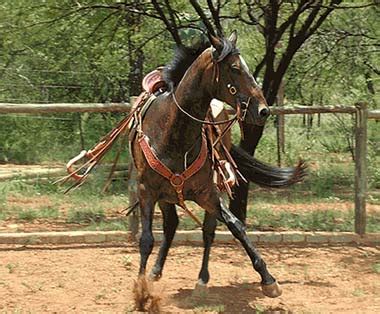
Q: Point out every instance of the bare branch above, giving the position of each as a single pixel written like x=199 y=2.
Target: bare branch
x=203 y=17
x=215 y=16
x=170 y=27
x=362 y=6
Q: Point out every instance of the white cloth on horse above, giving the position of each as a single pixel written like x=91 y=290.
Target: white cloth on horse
x=217 y=107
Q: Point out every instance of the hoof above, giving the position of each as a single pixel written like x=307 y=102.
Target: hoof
x=154 y=277
x=272 y=290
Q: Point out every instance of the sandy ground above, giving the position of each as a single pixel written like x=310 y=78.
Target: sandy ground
x=100 y=279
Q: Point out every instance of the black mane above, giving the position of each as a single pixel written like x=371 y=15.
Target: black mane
x=182 y=60
x=185 y=56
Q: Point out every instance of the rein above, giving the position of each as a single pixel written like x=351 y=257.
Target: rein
x=235 y=117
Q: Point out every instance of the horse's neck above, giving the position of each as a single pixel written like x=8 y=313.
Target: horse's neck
x=174 y=135
x=192 y=94
x=193 y=90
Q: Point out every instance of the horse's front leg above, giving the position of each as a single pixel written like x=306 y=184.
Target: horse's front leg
x=170 y=223
x=269 y=285
x=146 y=241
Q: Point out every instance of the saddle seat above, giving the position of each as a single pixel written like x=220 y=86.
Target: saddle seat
x=153 y=82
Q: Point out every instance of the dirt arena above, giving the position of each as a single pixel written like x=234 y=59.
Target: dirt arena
x=82 y=279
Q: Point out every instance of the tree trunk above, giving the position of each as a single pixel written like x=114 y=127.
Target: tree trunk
x=238 y=205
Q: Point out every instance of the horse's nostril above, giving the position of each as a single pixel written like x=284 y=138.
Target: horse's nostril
x=264 y=112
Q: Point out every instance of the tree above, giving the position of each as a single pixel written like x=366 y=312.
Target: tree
x=285 y=27
x=97 y=51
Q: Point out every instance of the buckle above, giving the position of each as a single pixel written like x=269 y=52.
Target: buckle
x=231 y=89
x=177 y=180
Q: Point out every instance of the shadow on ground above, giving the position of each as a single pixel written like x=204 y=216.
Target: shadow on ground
x=234 y=298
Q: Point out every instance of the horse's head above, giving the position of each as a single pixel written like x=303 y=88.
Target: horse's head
x=235 y=85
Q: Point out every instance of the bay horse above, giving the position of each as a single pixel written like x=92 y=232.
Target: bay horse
x=172 y=159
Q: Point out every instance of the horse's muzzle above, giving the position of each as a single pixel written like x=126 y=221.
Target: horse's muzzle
x=264 y=112
x=261 y=115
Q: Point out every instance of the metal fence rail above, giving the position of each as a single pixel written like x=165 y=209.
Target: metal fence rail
x=360 y=110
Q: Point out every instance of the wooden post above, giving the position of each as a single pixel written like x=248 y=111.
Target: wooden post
x=280 y=125
x=133 y=219
x=281 y=120
x=361 y=167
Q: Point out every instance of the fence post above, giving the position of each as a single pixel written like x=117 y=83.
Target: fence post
x=361 y=167
x=133 y=219
x=280 y=125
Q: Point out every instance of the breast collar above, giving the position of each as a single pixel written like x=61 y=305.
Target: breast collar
x=177 y=180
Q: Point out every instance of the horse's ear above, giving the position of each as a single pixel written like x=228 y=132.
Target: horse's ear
x=217 y=45
x=233 y=38
x=216 y=42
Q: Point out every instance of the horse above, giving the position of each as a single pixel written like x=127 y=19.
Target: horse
x=172 y=156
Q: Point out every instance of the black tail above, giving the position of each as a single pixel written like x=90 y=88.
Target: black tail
x=264 y=174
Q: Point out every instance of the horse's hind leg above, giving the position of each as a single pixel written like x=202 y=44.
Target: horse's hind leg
x=268 y=283
x=146 y=240
x=170 y=221
x=209 y=226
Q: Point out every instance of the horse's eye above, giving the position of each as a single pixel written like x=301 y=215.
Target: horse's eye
x=235 y=68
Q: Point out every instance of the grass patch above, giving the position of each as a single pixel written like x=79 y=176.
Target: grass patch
x=3 y=214
x=376 y=268
x=85 y=215
x=327 y=220
x=358 y=292
x=217 y=308
x=27 y=214
x=48 y=212
x=11 y=267
x=187 y=223
x=108 y=225
x=127 y=262
x=32 y=214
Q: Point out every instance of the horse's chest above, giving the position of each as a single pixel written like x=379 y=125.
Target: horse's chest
x=199 y=183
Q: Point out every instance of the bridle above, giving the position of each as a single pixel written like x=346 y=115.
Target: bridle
x=241 y=111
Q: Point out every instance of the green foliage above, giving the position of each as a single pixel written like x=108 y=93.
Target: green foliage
x=65 y=51
x=373 y=159
x=338 y=64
